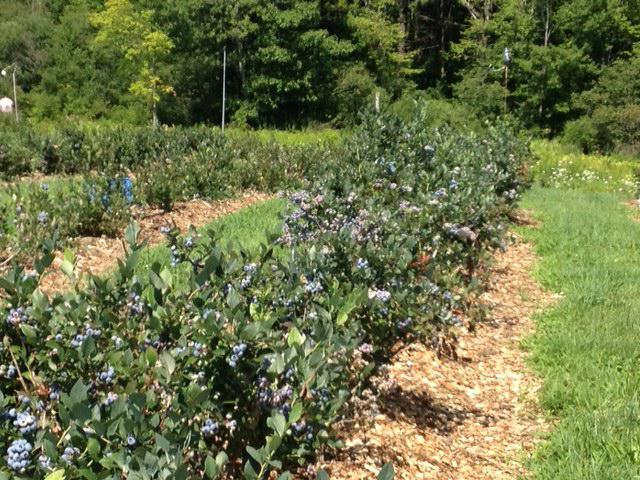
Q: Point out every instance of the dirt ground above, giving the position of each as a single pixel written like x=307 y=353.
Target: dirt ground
x=475 y=417
x=98 y=255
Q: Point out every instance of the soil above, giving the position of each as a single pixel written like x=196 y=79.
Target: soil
x=99 y=255
x=472 y=417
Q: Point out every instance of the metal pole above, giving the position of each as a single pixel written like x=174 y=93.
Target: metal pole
x=506 y=89
x=15 y=94
x=224 y=83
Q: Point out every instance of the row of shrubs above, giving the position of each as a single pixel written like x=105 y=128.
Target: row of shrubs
x=99 y=186
x=92 y=147
x=241 y=369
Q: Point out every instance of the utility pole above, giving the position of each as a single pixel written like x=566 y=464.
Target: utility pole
x=224 y=84
x=13 y=68
x=15 y=94
x=506 y=60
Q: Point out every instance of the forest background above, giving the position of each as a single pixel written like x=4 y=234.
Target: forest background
x=574 y=67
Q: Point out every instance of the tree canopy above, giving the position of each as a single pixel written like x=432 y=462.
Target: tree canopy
x=292 y=62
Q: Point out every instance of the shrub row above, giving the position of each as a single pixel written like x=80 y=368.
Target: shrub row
x=85 y=147
x=146 y=167
x=242 y=368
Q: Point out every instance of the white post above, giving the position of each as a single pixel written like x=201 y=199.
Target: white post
x=15 y=94
x=224 y=83
x=378 y=101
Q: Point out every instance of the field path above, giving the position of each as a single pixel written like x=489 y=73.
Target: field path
x=474 y=417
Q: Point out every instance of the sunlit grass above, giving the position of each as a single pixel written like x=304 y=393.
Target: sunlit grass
x=559 y=165
x=247 y=228
x=587 y=348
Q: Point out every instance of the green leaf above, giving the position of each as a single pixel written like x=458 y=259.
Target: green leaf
x=255 y=454
x=322 y=475
x=131 y=234
x=211 y=467
x=221 y=459
x=68 y=264
x=78 y=392
x=351 y=303
x=296 y=412
x=43 y=263
x=163 y=443
x=295 y=338
x=387 y=472
x=93 y=447
x=39 y=300
x=156 y=280
x=30 y=332
x=152 y=356
x=57 y=475
x=279 y=423
x=233 y=299
x=249 y=472
x=168 y=362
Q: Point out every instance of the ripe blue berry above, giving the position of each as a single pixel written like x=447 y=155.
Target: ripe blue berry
x=18 y=455
x=25 y=422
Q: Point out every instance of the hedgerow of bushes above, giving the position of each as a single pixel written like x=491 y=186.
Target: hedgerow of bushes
x=242 y=369
x=103 y=172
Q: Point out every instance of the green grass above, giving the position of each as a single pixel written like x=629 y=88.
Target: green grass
x=247 y=228
x=587 y=349
x=560 y=165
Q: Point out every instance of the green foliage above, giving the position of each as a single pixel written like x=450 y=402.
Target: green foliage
x=163 y=167
x=230 y=357
x=440 y=112
x=91 y=205
x=299 y=62
x=564 y=166
x=355 y=92
x=611 y=120
x=131 y=33
x=558 y=49
x=585 y=346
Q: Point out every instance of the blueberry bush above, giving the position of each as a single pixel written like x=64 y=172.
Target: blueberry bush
x=102 y=172
x=83 y=148
x=240 y=369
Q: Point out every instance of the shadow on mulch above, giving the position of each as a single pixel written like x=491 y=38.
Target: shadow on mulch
x=421 y=409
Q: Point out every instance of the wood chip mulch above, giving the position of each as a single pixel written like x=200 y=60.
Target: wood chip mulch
x=471 y=418
x=99 y=255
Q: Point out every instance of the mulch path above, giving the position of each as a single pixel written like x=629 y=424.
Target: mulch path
x=99 y=255
x=474 y=417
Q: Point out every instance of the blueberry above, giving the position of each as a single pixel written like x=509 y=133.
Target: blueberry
x=18 y=455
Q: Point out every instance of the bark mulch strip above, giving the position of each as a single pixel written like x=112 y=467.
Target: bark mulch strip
x=471 y=418
x=99 y=255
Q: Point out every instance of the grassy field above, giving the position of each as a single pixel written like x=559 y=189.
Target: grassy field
x=247 y=228
x=587 y=349
x=563 y=166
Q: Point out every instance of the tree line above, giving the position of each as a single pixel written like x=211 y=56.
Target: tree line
x=574 y=69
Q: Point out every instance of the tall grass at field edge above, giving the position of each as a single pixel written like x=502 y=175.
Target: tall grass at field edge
x=587 y=348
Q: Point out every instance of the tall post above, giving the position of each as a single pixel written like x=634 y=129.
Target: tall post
x=224 y=83
x=15 y=94
x=506 y=89
x=506 y=60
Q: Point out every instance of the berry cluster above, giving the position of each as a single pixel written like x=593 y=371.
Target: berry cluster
x=19 y=455
x=237 y=352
